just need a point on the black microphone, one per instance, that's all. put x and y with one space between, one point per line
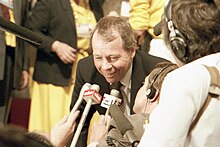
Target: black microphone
20 32
158 29
123 124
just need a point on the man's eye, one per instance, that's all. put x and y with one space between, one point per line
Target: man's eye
114 58
98 58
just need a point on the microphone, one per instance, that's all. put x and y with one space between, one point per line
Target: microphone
20 31
92 97
108 100
123 124
85 87
111 99
157 28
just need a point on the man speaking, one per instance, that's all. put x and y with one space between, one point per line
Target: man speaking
115 59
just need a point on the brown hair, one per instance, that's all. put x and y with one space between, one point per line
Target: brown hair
110 27
19 137
199 22
166 68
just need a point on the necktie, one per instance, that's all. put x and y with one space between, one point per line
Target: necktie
119 86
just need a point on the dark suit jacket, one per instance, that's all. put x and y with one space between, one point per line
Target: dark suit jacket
21 10
143 64
52 20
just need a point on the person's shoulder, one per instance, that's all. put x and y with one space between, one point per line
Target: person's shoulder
86 61
190 76
86 64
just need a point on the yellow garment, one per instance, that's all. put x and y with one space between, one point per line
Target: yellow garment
50 103
145 14
83 18
10 38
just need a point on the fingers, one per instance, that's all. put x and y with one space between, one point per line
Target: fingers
108 122
65 52
25 79
63 120
72 117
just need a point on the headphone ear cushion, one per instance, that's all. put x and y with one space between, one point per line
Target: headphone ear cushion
178 48
178 45
152 93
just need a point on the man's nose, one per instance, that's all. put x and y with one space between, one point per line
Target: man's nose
106 65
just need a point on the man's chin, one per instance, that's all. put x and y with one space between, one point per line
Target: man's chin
110 80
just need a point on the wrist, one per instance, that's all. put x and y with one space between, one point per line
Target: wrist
55 46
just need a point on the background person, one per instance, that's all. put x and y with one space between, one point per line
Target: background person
54 21
14 56
185 116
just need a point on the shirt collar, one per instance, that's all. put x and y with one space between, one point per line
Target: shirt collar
126 80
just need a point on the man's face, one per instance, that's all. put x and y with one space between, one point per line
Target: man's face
110 58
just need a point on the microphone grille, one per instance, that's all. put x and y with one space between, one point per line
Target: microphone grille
114 92
95 87
86 86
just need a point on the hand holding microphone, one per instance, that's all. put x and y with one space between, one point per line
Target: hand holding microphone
92 97
85 87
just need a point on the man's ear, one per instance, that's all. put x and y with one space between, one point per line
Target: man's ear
133 52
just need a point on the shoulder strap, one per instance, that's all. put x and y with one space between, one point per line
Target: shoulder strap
214 91
215 80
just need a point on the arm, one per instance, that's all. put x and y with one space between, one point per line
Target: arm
42 21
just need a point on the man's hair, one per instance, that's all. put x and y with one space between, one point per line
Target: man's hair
13 136
199 22
110 27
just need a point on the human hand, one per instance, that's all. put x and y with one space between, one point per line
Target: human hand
99 129
25 79
63 129
65 52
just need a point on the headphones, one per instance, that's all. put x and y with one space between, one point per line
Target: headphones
177 39
152 92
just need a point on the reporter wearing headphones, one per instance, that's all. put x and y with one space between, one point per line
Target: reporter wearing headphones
184 117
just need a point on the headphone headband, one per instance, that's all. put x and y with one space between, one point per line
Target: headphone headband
177 39
151 90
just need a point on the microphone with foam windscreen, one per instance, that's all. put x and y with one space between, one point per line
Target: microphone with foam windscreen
20 32
85 87
108 100
91 96
123 124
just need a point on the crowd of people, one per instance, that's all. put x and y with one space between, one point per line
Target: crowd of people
169 101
